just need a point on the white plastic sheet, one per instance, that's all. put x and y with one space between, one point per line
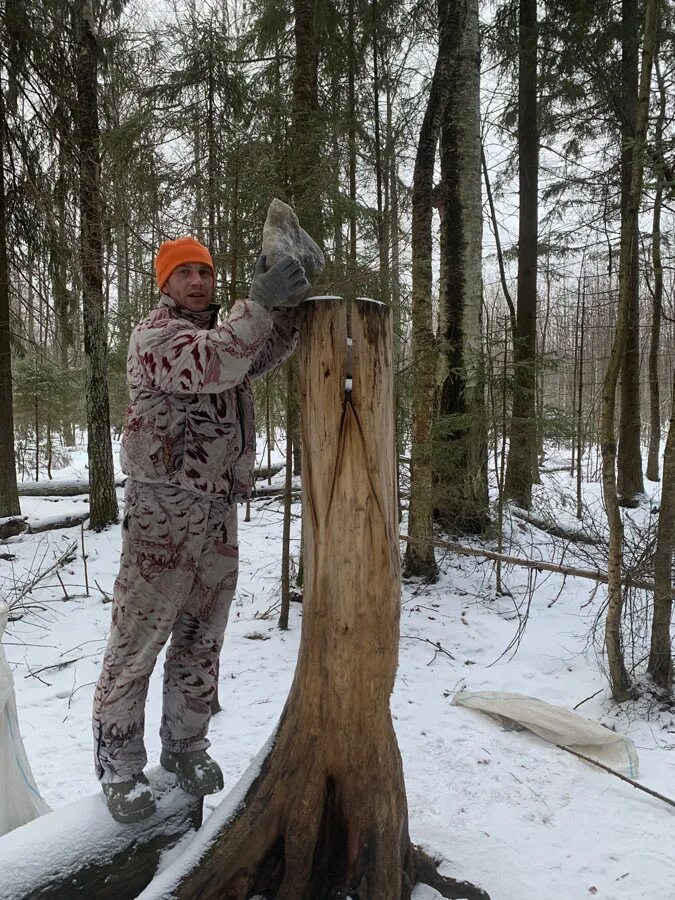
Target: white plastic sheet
20 800
557 725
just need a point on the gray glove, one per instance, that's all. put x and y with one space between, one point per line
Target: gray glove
283 285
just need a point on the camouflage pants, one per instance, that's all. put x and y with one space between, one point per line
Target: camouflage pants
178 574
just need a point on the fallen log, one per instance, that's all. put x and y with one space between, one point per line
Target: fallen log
78 851
268 491
56 488
576 535
539 565
79 487
51 523
12 526
264 473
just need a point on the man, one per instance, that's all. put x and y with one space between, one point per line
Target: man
188 448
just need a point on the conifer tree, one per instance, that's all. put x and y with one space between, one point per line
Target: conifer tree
9 497
103 500
523 434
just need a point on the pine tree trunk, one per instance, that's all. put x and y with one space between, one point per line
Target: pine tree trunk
382 231
351 113
394 232
523 432
211 151
9 497
395 278
103 500
307 163
660 665
620 683
419 557
234 227
629 457
460 443
336 266
198 225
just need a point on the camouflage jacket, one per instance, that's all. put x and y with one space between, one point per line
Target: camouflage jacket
191 420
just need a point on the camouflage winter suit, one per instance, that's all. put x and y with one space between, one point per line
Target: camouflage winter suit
188 449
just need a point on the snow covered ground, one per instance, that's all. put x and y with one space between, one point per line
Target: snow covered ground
506 810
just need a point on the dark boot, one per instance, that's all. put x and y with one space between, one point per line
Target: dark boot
129 801
197 773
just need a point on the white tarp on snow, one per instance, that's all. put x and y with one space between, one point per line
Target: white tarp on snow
557 725
20 800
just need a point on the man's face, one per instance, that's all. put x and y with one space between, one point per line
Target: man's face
191 286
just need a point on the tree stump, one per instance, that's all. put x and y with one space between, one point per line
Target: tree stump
325 817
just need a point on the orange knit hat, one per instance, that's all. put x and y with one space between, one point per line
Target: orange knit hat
172 254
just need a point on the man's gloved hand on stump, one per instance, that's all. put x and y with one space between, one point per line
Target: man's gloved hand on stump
284 284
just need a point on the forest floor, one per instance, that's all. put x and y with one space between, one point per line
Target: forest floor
504 809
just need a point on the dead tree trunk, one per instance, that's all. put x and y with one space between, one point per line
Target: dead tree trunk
326 815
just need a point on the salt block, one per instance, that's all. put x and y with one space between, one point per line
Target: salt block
283 236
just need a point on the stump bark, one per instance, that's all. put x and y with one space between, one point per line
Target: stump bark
326 815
